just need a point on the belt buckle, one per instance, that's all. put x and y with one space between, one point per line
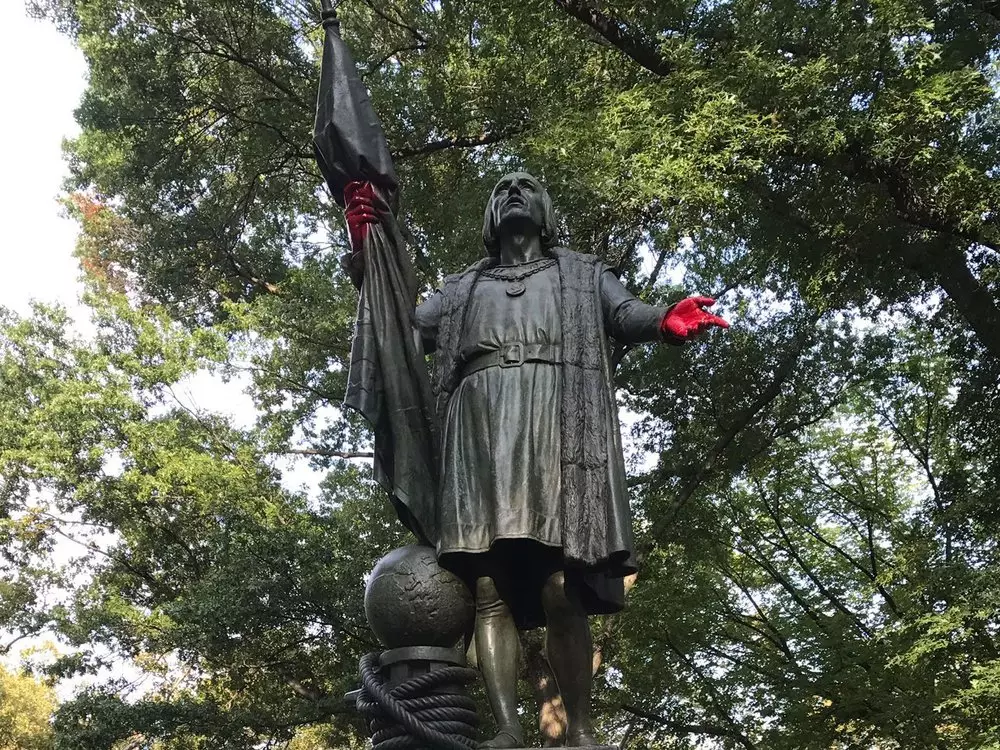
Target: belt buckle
512 355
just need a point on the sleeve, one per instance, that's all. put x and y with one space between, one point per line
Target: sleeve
628 319
426 318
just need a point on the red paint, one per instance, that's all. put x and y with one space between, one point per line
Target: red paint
688 318
359 200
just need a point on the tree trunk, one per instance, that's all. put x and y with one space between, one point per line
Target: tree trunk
944 264
972 299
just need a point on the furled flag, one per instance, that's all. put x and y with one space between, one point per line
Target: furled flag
388 381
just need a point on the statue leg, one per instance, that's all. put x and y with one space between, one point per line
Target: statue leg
498 652
570 651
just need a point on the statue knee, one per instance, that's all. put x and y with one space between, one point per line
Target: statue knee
488 600
556 602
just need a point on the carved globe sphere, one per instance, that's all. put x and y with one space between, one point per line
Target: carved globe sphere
410 600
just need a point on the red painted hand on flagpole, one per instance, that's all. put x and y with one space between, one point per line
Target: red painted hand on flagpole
359 208
688 318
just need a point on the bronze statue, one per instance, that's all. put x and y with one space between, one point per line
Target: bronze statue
532 508
507 458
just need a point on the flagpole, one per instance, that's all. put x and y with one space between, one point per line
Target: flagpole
388 382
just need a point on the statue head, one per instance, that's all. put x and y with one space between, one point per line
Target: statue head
518 198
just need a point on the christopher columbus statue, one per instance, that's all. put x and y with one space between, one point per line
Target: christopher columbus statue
506 456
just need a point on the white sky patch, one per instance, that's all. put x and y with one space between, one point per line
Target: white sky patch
204 390
44 77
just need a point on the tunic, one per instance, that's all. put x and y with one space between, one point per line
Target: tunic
508 415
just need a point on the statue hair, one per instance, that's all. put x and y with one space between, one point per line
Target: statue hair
549 233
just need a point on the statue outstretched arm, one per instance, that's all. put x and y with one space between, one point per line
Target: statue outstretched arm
629 320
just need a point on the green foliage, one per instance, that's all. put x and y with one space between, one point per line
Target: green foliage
191 548
814 491
26 707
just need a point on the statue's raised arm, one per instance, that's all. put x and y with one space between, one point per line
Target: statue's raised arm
388 382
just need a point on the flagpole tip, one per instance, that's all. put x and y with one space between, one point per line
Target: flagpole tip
328 15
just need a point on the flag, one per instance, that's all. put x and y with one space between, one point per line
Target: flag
388 382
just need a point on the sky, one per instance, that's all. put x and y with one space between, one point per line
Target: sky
43 78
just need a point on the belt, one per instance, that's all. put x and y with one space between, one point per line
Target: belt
514 355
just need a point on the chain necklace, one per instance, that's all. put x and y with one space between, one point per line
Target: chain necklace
515 277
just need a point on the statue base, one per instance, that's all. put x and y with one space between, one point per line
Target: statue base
416 696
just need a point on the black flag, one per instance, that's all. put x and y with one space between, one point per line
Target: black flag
348 138
388 381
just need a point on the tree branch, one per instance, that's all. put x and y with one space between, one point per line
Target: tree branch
231 55
767 396
328 453
714 696
791 549
462 141
711 730
640 50
372 67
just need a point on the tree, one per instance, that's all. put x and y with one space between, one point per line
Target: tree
817 529
26 707
192 552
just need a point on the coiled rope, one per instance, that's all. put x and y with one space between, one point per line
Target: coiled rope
410 716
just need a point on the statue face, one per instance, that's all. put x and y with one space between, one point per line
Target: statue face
518 199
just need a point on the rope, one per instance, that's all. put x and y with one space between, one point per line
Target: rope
411 716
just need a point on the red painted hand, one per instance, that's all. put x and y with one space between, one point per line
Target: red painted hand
688 318
359 200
